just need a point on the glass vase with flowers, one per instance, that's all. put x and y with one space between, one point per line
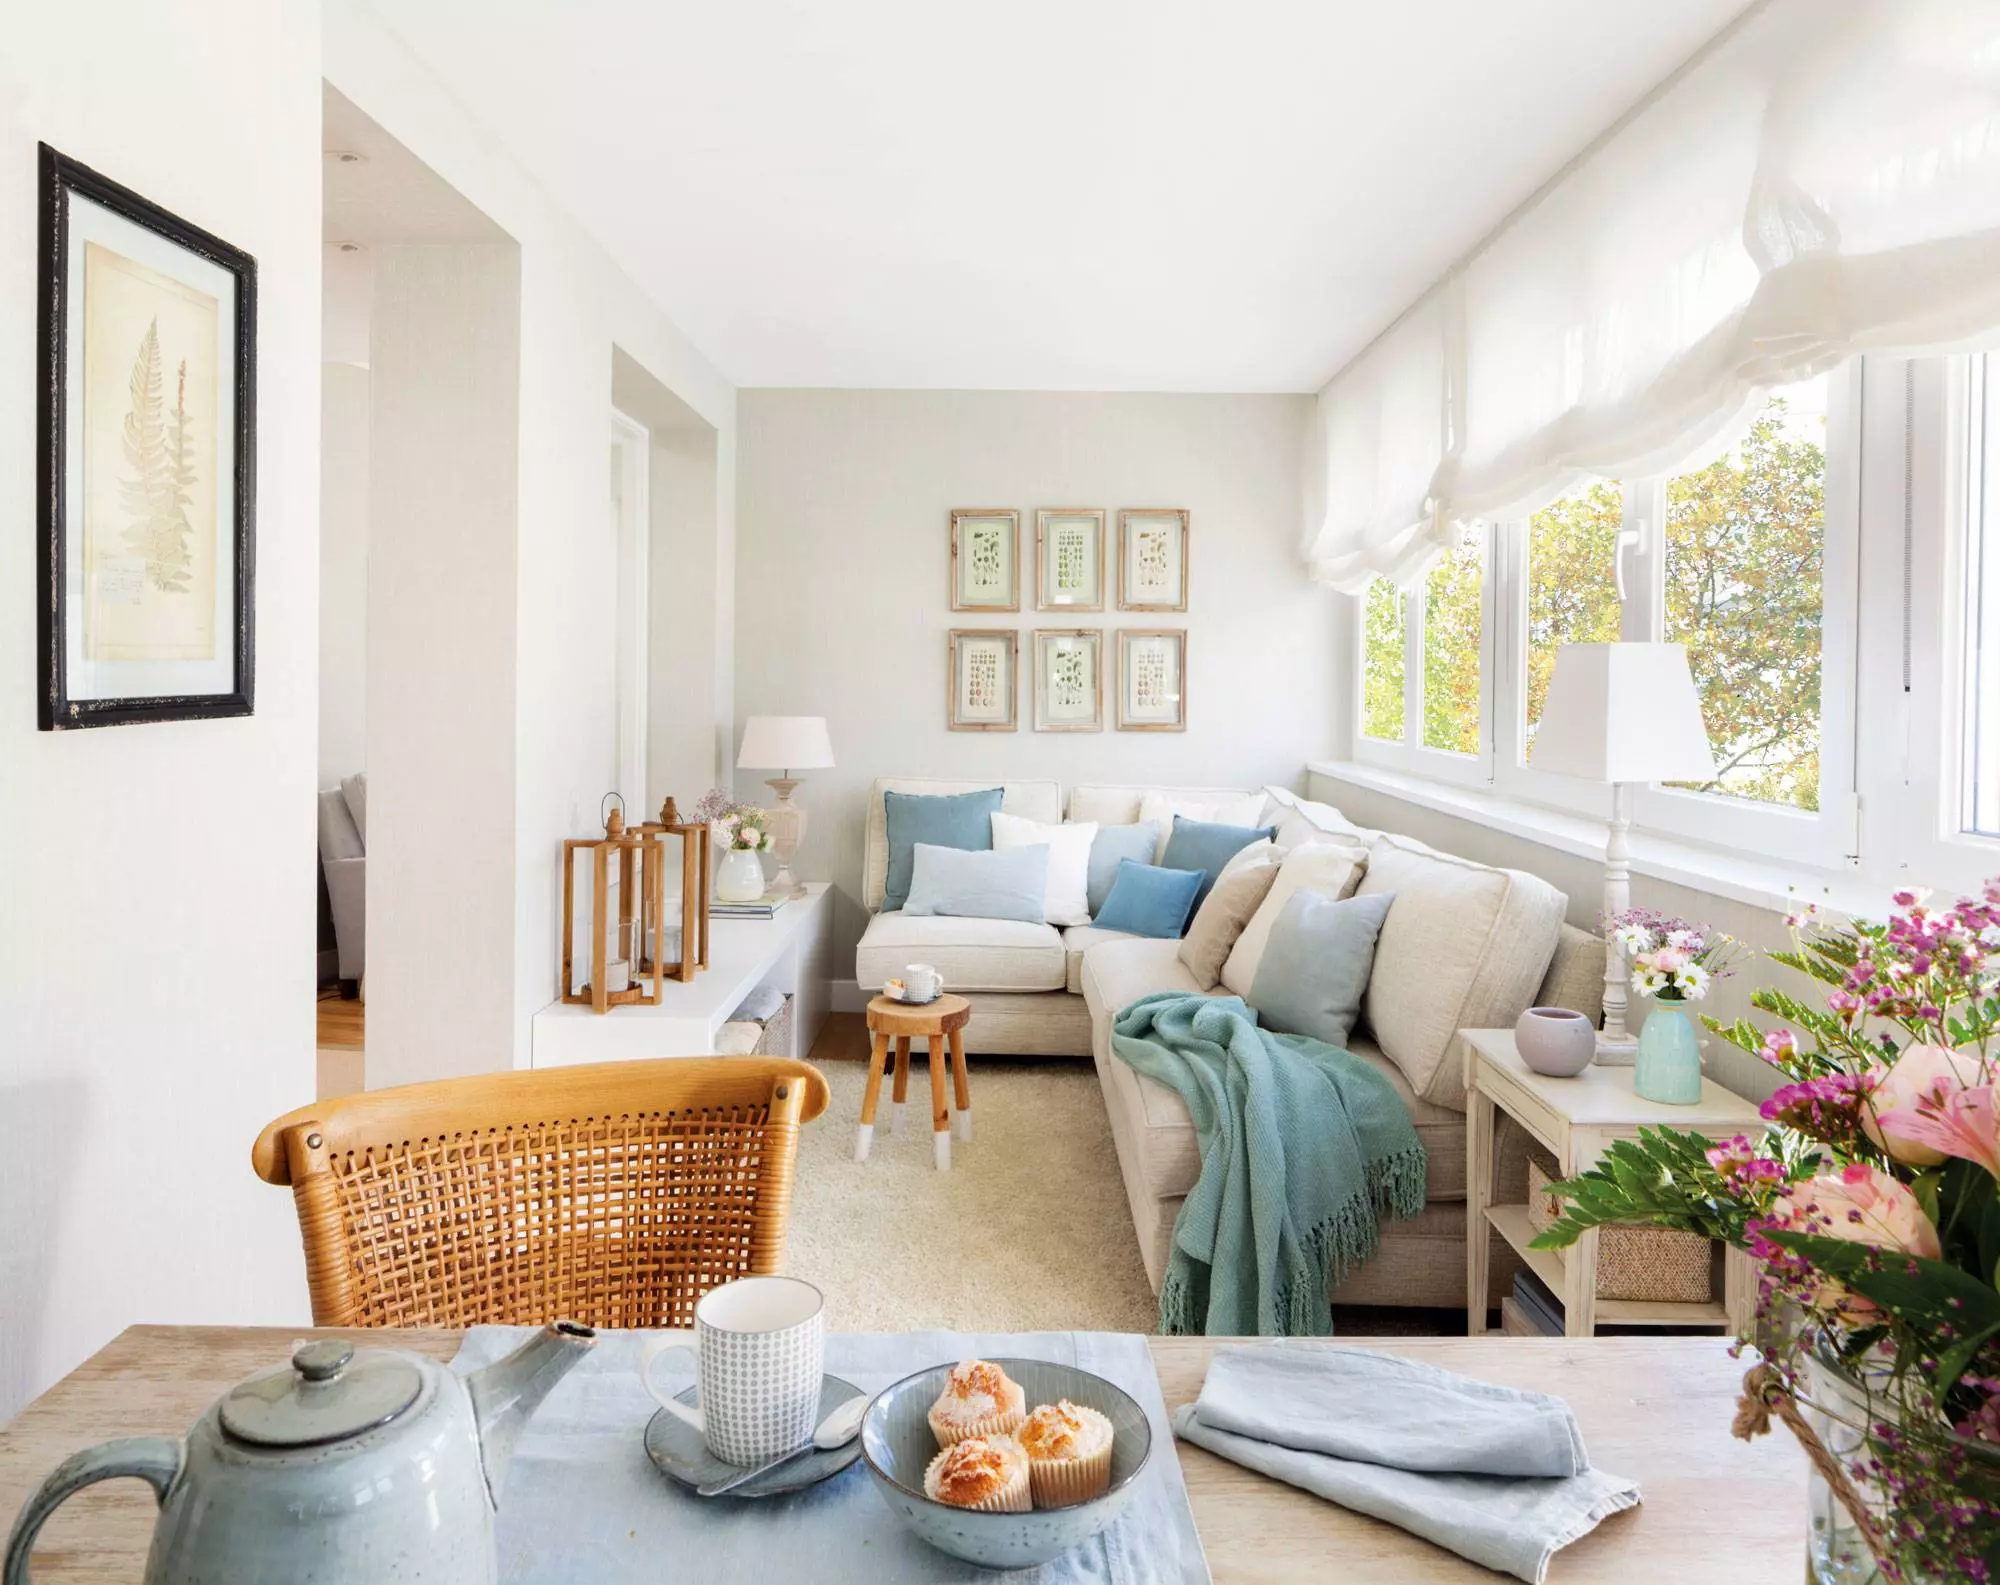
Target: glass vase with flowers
1870 1202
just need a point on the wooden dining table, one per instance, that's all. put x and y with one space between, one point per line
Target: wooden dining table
1655 1409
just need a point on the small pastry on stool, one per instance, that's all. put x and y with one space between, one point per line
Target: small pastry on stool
979 1399
988 1474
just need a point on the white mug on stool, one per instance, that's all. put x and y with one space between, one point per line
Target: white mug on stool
760 1354
921 982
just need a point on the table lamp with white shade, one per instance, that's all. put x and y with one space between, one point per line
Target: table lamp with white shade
1621 713
785 743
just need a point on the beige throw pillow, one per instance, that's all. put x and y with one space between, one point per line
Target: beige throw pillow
1235 896
1330 869
1464 947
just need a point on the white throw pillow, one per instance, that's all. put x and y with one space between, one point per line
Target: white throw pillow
1160 809
1067 900
1330 869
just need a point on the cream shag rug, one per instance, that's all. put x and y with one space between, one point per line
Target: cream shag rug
1029 1230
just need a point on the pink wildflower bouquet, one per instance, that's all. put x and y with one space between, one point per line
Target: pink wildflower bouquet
1670 959
1870 1202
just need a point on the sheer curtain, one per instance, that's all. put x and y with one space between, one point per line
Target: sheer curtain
1825 181
1384 428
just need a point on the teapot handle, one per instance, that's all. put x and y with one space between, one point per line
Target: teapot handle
153 1459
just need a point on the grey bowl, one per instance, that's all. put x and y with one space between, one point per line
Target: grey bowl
897 1446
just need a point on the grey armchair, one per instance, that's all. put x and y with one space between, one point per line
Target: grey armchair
343 855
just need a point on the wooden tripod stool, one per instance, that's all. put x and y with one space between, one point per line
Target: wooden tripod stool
935 1022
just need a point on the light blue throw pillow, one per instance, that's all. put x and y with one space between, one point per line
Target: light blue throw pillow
1203 845
1138 843
1150 900
945 820
1004 883
1316 964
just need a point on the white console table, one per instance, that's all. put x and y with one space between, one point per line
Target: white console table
791 952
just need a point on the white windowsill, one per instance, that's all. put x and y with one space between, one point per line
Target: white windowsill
1756 882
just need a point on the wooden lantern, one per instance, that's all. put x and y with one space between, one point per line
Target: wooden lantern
628 960
694 839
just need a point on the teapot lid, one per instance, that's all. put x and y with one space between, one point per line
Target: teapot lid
328 1393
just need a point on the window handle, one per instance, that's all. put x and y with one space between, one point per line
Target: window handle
1626 537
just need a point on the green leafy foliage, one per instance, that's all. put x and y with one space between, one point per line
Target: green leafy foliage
1382 662
1662 1178
1451 651
1572 581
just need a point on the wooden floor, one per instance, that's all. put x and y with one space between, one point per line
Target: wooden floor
843 1038
340 1022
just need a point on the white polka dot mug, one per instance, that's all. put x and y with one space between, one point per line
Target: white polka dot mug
760 1354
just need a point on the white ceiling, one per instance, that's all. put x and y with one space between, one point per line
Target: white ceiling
1045 194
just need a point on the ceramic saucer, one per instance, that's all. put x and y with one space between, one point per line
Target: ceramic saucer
679 1450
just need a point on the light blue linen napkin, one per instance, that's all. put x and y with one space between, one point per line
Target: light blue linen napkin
1495 1474
583 1503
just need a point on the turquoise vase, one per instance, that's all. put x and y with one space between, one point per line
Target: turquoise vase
1668 1066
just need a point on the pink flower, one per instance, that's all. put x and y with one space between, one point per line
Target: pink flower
1922 1072
1780 1047
1962 1122
1862 1205
1670 959
1843 1003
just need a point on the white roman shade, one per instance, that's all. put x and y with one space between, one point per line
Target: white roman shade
1383 425
1824 181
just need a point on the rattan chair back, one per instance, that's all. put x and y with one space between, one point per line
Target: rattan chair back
615 1194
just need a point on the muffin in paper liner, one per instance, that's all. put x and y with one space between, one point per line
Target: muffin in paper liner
979 1399
981 1474
1069 1454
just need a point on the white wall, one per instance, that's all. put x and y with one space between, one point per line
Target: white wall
683 759
575 306
343 572
843 606
156 946
442 599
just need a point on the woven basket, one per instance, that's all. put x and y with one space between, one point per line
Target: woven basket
1653 1265
777 1041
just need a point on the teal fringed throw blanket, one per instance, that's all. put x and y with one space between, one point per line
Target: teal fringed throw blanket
1304 1150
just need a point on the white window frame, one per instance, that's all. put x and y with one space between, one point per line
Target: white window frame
1411 755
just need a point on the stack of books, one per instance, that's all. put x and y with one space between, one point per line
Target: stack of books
1539 1309
765 907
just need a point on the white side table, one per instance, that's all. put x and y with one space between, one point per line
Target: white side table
1574 1120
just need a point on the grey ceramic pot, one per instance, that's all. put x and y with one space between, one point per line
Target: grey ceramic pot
1555 1041
897 1444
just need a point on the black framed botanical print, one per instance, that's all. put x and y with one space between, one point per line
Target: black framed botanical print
147 394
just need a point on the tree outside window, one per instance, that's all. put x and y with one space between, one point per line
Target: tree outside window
1451 650
1746 541
1572 582
1382 662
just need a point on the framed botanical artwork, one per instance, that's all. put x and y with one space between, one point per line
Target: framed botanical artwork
148 402
984 665
1152 559
1069 559
1152 680
986 560
1069 679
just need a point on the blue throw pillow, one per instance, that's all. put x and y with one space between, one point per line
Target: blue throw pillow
945 820
1150 900
1007 883
1205 846
1315 966
1138 843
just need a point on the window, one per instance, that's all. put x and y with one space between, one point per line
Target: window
1745 576
1425 667
1572 584
1979 811
1382 645
1453 628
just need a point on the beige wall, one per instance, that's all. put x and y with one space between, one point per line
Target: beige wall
842 604
1582 881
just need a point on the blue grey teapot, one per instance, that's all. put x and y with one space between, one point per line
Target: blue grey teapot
346 1467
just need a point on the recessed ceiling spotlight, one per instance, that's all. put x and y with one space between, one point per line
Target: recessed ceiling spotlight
346 157
351 247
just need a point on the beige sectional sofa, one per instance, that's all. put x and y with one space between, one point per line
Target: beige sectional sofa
1464 945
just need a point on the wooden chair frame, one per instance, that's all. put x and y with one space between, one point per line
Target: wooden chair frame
614 1193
